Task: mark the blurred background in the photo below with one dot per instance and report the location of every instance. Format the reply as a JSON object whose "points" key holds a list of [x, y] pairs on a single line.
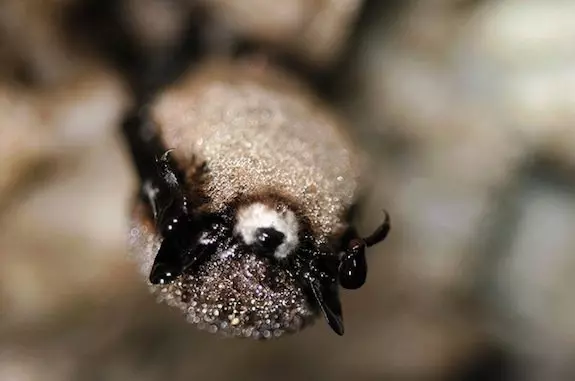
{"points": [[466, 108]]}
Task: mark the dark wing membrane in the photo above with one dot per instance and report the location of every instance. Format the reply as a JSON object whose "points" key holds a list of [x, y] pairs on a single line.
{"points": [[161, 187], [144, 143], [319, 276], [328, 299]]}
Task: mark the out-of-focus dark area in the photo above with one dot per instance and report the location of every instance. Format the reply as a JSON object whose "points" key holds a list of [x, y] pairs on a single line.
{"points": [[466, 108]]}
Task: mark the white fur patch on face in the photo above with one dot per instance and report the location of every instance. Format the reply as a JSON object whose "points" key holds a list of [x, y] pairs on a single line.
{"points": [[258, 215]]}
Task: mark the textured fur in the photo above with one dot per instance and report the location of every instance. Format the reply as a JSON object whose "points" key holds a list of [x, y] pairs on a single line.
{"points": [[260, 132]]}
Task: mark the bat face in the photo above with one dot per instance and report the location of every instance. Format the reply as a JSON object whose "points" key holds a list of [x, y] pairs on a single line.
{"points": [[246, 182], [233, 287]]}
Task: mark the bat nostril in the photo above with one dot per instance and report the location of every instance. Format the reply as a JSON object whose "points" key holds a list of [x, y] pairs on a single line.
{"points": [[268, 239]]}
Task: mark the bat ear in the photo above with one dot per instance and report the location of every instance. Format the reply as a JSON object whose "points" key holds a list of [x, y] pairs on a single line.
{"points": [[166, 265], [327, 296], [176, 245]]}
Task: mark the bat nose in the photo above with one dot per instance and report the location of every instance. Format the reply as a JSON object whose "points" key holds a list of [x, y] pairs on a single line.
{"points": [[268, 239]]}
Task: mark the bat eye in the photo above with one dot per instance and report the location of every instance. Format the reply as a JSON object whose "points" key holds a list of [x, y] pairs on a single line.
{"points": [[268, 239]]}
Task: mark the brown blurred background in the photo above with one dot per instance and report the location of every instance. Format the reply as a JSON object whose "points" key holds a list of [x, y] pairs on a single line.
{"points": [[466, 107]]}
